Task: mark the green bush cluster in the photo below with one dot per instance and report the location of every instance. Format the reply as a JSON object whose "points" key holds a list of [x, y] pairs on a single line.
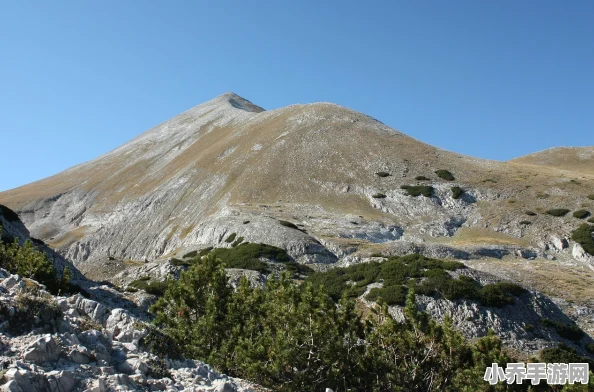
{"points": [[525, 222], [531, 213], [190, 255], [29, 262], [418, 190], [291, 337], [591, 197], [378, 196], [565, 354], [145, 283], [422, 178], [457, 192], [581, 214], [567, 331], [427, 276], [445, 174], [382, 174], [584, 235], [591, 220], [557, 212], [231, 238]]}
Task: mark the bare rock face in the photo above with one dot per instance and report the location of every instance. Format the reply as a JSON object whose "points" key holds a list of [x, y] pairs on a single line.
{"points": [[76, 357]]}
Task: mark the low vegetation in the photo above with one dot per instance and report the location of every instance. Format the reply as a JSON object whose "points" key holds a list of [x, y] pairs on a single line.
{"points": [[291, 337], [584, 235], [231, 238], [531, 213], [558, 212], [153, 287], [445, 174], [422, 178], [525, 222], [378, 196], [581, 214], [568, 331], [29, 262], [591, 197], [382, 174], [418, 190], [457, 192]]}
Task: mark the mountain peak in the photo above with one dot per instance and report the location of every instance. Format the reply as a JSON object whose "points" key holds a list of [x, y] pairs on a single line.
{"points": [[237, 102]]}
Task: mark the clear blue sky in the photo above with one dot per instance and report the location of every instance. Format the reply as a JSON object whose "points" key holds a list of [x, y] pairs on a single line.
{"points": [[493, 79]]}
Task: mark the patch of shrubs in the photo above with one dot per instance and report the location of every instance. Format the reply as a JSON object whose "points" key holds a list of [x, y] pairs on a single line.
{"points": [[557, 212], [584, 235], [591, 220], [231, 238], [531, 213], [382, 174], [8, 214], [563, 354], [581, 214], [190, 255], [525, 222], [391, 295], [418, 190], [156, 288], [263, 334], [248, 255], [591, 197], [205, 251], [422, 178], [29, 262], [32, 311], [237, 241], [568, 331], [180, 263], [378, 196], [457, 192], [445, 174]]}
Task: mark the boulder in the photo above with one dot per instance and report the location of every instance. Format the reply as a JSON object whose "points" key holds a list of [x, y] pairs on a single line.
{"points": [[45, 349]]}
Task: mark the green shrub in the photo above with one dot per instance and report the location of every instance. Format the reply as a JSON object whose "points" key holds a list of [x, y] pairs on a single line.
{"points": [[529, 328], [205, 251], [245, 222], [237, 242], [457, 192], [542, 195], [445, 174], [584, 235], [591, 197], [490, 180], [525, 222], [392, 295], [180, 263], [568, 331], [531, 213], [590, 348], [382, 174], [156, 288], [500, 294], [418, 190], [581, 214], [557, 212], [231, 238], [562, 354], [288, 224], [8, 214], [378, 196], [248, 255], [190, 255], [422, 178], [591, 220]]}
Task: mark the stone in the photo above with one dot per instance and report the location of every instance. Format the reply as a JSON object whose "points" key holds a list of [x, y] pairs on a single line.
{"points": [[45, 349], [81, 355], [63, 381], [222, 386]]}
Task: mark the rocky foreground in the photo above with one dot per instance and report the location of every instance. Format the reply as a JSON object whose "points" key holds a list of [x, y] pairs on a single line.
{"points": [[63, 344]]}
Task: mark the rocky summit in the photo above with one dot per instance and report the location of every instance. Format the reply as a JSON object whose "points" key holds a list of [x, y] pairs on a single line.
{"points": [[324, 187]]}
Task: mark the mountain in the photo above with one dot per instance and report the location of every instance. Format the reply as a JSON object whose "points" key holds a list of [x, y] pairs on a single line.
{"points": [[331, 186]]}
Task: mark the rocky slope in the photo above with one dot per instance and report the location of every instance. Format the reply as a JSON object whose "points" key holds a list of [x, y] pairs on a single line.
{"points": [[64, 344]]}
